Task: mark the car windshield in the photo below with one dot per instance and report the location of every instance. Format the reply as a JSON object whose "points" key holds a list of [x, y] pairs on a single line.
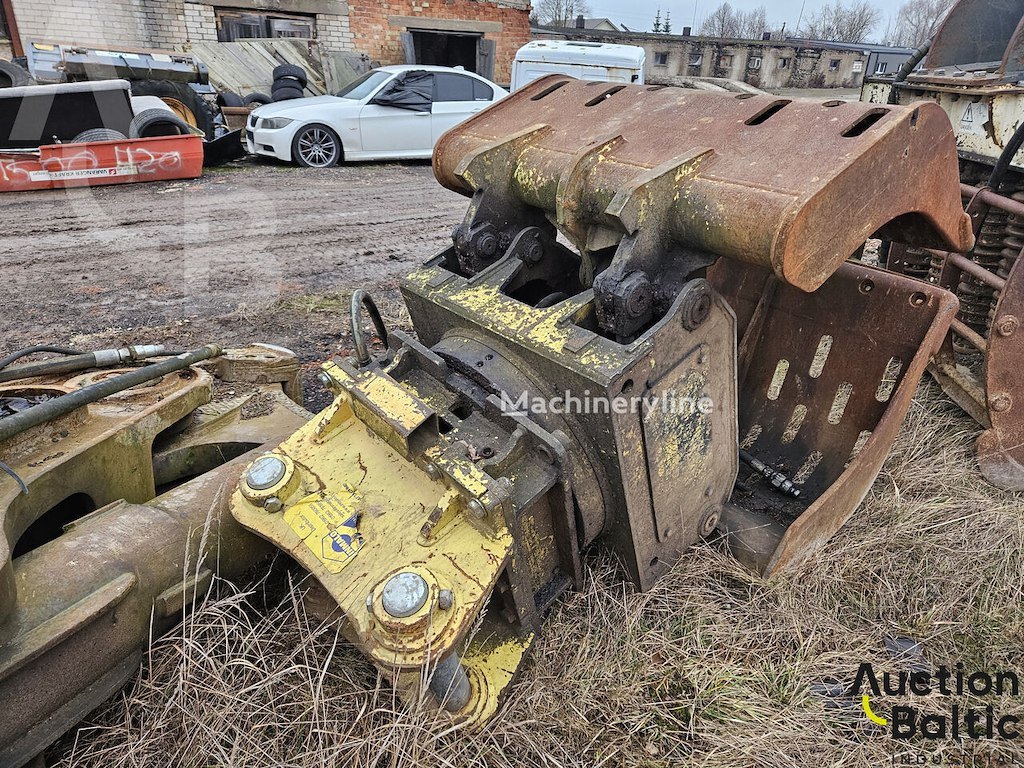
{"points": [[363, 86]]}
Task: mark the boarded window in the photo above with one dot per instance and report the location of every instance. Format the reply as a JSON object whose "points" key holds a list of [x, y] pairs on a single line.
{"points": [[244, 25], [725, 61]]}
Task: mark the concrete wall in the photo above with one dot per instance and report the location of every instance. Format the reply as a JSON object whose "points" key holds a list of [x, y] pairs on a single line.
{"points": [[377, 26], [781, 65]]}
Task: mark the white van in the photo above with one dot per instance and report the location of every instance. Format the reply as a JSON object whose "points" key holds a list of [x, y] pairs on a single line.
{"points": [[582, 60]]}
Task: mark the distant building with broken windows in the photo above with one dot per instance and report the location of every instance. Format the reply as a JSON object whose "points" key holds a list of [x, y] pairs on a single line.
{"points": [[768, 64]]}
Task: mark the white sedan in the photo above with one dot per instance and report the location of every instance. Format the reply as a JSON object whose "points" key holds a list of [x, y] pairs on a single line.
{"points": [[388, 113]]}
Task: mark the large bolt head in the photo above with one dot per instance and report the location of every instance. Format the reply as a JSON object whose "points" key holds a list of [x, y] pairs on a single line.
{"points": [[1000, 402], [404, 594], [265, 472], [1007, 325], [445, 599], [487, 244]]}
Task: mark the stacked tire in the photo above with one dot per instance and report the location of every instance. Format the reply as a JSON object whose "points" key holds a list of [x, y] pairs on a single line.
{"points": [[290, 81]]}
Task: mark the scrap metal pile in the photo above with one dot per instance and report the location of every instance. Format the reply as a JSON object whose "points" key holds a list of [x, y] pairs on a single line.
{"points": [[710, 236], [974, 71]]}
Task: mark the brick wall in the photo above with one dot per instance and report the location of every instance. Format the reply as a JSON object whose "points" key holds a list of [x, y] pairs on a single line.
{"points": [[375, 31], [100, 22], [334, 32], [200, 23], [165, 23], [372, 26]]}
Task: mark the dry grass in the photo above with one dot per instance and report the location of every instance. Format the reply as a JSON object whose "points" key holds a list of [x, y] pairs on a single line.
{"points": [[713, 667]]}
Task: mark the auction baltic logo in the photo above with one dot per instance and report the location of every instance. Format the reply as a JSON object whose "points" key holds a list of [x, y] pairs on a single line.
{"points": [[908, 721]]}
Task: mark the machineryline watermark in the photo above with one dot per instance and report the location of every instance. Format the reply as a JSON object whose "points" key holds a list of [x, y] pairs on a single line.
{"points": [[589, 404]]}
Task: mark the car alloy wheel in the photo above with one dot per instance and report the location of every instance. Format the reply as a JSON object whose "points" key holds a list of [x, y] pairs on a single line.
{"points": [[317, 147]]}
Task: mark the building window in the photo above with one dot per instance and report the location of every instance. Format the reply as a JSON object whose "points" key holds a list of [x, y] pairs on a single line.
{"points": [[783, 63], [858, 66], [833, 65], [881, 67], [243, 25], [725, 61], [754, 62], [661, 58], [696, 59]]}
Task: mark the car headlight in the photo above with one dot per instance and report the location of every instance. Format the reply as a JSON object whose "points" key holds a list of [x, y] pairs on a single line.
{"points": [[273, 123]]}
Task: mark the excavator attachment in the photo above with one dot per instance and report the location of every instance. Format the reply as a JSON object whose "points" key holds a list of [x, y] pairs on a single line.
{"points": [[703, 361], [114, 517]]}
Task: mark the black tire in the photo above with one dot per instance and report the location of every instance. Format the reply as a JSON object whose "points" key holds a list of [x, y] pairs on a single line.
{"points": [[285, 82], [98, 134], [229, 99], [293, 71], [157, 122], [257, 98], [285, 94], [180, 96], [330, 150], [13, 76]]}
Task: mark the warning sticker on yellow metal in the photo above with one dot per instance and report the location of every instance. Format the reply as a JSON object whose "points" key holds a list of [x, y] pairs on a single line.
{"points": [[329, 526]]}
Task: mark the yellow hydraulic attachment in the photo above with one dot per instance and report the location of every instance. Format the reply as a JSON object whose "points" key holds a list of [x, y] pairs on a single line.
{"points": [[703, 361]]}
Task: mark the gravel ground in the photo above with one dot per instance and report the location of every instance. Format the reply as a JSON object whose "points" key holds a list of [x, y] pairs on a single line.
{"points": [[223, 258]]}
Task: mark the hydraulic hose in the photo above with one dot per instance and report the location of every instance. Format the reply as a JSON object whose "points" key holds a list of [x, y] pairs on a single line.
{"points": [[81, 361], [1002, 165], [58, 406], [360, 299], [5, 361], [908, 66]]}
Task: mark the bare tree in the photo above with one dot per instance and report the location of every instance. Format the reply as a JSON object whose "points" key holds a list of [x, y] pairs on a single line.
{"points": [[753, 24], [721, 22], [917, 21], [560, 13], [843, 23], [725, 21]]}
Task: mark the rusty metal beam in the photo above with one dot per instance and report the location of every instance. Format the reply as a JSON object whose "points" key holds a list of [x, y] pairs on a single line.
{"points": [[972, 268], [12, 28], [993, 199]]}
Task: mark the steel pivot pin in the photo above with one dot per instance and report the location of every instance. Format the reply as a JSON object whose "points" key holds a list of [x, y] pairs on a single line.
{"points": [[404, 594], [265, 472]]}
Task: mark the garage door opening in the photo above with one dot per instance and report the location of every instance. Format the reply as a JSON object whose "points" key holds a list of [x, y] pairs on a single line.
{"points": [[468, 50]]}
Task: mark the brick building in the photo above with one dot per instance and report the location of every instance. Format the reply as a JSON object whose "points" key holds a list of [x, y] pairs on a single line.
{"points": [[481, 35]]}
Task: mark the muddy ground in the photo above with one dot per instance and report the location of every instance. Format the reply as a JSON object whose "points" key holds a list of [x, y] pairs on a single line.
{"points": [[249, 252]]}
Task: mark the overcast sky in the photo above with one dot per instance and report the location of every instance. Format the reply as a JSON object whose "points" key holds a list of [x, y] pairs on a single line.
{"points": [[639, 14]]}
